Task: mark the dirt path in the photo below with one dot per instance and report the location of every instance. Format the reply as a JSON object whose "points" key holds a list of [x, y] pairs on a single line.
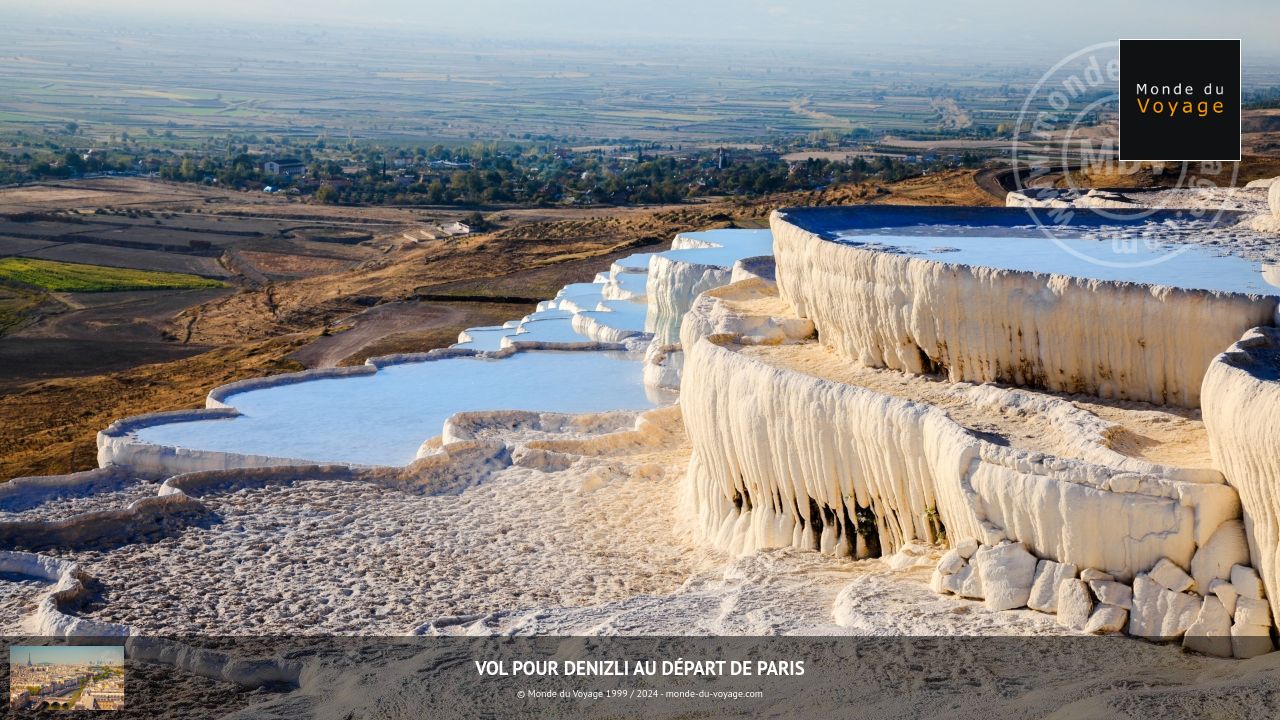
{"points": [[374, 324]]}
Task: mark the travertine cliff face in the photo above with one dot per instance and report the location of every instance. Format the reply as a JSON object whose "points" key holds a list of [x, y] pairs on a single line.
{"points": [[676, 279], [1109, 339], [789, 450], [672, 287], [794, 448], [784, 458], [1242, 415], [595, 325]]}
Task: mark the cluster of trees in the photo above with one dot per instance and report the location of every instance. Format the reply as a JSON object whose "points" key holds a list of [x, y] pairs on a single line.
{"points": [[475, 174], [1262, 97], [236, 171], [70, 163], [536, 177]]}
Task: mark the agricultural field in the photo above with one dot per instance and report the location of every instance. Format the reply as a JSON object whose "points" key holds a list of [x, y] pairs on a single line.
{"points": [[406, 87], [145, 225], [98, 276], [15, 304], [77, 277], [124, 258]]}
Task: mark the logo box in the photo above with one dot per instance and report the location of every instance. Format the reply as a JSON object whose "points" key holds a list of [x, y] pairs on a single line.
{"points": [[1180, 100]]}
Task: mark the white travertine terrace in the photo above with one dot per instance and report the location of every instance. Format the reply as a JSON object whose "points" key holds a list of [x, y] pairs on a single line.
{"points": [[22, 492], [609, 314], [979, 324], [124, 443], [612, 321], [68, 587], [673, 287], [794, 440], [710, 260], [117, 445], [747, 311], [640, 297], [1242, 416], [838, 457], [785, 458], [697, 262]]}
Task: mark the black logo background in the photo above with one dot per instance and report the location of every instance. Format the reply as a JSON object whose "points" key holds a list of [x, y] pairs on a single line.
{"points": [[1182, 137]]}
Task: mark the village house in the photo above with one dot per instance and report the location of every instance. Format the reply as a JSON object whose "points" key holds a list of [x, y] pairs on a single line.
{"points": [[291, 167]]}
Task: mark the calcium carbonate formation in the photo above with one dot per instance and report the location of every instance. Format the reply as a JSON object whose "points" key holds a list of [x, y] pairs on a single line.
{"points": [[847, 398], [787, 455], [146, 489]]}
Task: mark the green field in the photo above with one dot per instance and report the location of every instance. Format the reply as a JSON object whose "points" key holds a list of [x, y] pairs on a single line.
{"points": [[73, 277]]}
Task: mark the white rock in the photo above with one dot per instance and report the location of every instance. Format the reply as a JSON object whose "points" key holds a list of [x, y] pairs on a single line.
{"points": [[937, 583], [1182, 612], [1246, 582], [967, 583], [1211, 632], [972, 588], [1075, 604], [1044, 589], [914, 549], [1107, 619], [1171, 576], [1226, 592], [1252, 611], [1091, 574], [1110, 592], [1125, 483], [1241, 391], [910, 555], [1007, 572], [1273, 198], [1159, 613], [967, 548], [950, 563], [1250, 640], [1225, 548], [901, 560]]}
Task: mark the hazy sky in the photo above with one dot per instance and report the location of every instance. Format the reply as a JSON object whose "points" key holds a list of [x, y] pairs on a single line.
{"points": [[66, 654], [1051, 26]]}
